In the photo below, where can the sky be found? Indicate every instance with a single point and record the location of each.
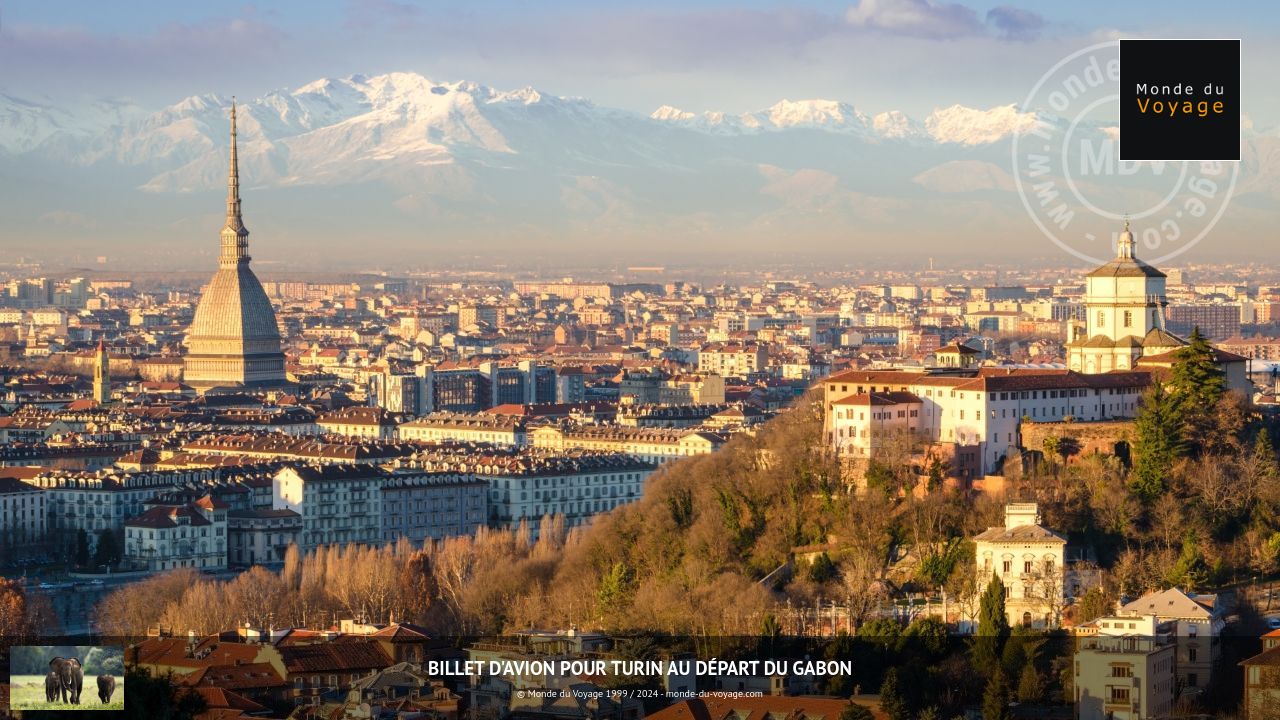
(913, 56)
(909, 55)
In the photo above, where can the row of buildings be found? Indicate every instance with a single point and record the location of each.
(212, 516)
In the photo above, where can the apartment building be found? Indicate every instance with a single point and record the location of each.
(507, 430)
(1197, 622)
(23, 514)
(576, 486)
(649, 444)
(424, 506)
(177, 535)
(339, 504)
(733, 359)
(1125, 671)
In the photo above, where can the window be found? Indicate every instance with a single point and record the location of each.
(1102, 317)
(1119, 694)
(1026, 567)
(1008, 565)
(1192, 654)
(1128, 318)
(1122, 671)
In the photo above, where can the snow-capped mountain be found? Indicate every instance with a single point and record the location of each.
(463, 158)
(359, 128)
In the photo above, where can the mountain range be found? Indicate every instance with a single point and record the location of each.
(412, 164)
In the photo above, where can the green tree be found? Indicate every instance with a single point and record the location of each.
(1190, 571)
(822, 569)
(995, 699)
(157, 698)
(108, 551)
(614, 590)
(1198, 384)
(937, 472)
(1095, 603)
(82, 548)
(1195, 376)
(854, 711)
(1051, 446)
(1159, 428)
(993, 626)
(769, 627)
(1030, 687)
(893, 700)
(880, 476)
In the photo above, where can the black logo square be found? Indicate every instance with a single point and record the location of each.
(1179, 99)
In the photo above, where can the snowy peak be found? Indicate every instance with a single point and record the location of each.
(26, 125)
(824, 114)
(895, 125)
(968, 126)
(785, 115)
(954, 125)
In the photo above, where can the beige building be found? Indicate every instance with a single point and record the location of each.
(1262, 680)
(339, 504)
(165, 537)
(649, 444)
(732, 359)
(508, 430)
(1197, 623)
(1029, 560)
(862, 423)
(1125, 671)
(359, 422)
(976, 414)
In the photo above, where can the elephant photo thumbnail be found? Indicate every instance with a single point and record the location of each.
(66, 677)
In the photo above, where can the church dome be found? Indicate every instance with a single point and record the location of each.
(1125, 263)
(234, 308)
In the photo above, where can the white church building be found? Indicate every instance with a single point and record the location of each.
(972, 416)
(1124, 315)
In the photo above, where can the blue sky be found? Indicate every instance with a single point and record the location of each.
(912, 55)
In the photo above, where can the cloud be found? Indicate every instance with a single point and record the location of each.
(1013, 23)
(365, 14)
(917, 18)
(172, 56)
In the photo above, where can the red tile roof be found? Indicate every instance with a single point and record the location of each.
(328, 657)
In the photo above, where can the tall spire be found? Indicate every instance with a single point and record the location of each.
(235, 236)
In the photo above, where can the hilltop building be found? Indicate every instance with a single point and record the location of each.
(1029, 560)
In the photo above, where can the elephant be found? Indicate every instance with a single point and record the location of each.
(51, 686)
(70, 678)
(106, 688)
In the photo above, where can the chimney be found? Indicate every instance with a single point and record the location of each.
(191, 643)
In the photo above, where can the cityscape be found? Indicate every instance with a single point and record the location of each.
(774, 475)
